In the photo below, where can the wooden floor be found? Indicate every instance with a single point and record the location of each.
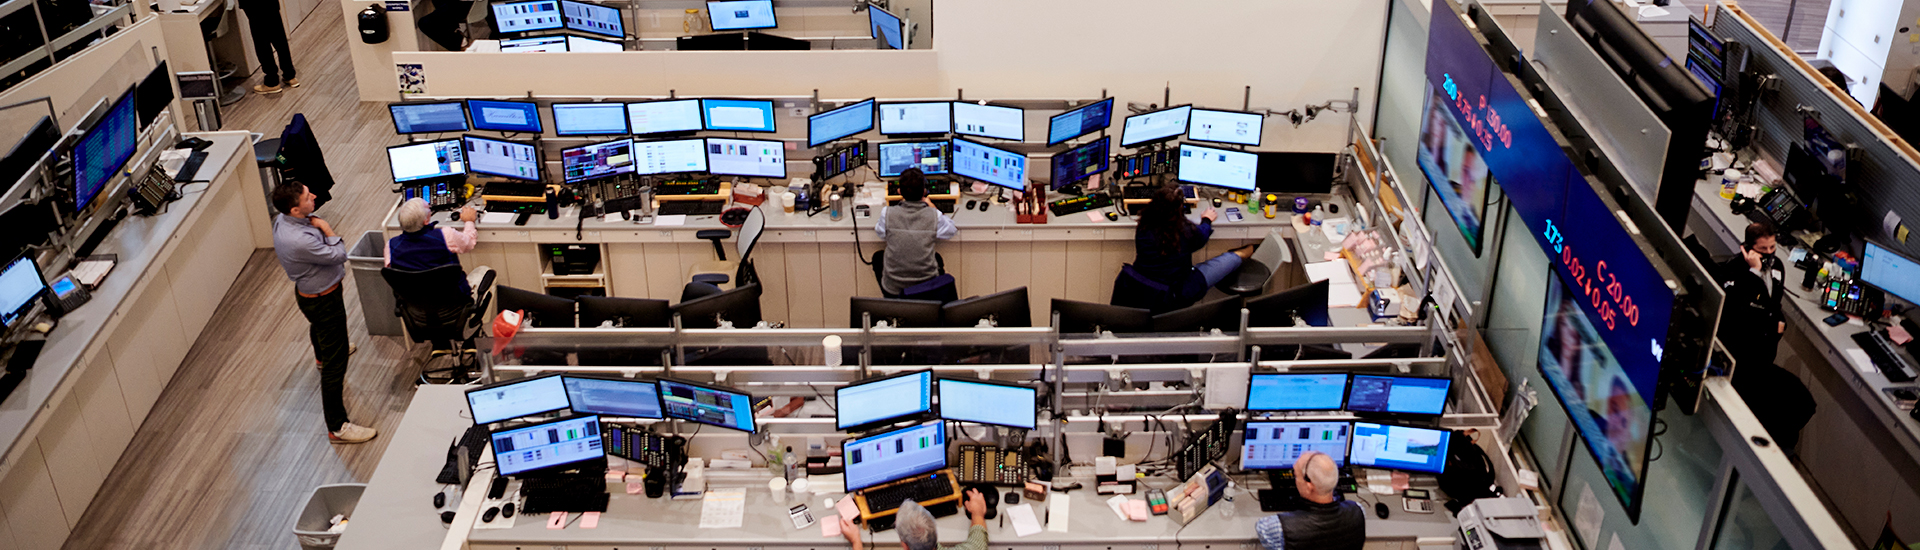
(1809, 17)
(236, 442)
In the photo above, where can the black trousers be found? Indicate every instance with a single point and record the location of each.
(328, 316)
(269, 40)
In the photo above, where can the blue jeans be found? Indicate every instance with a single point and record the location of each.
(1219, 267)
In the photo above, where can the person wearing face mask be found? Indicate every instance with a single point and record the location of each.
(1751, 322)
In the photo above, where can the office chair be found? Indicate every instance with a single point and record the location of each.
(723, 273)
(941, 288)
(433, 309)
(1134, 290)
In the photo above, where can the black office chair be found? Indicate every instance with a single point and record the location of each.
(1135, 290)
(941, 288)
(433, 309)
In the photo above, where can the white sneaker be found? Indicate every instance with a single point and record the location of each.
(352, 433)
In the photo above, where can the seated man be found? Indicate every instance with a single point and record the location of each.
(918, 531)
(422, 246)
(910, 229)
(1326, 521)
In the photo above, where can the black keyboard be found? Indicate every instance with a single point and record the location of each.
(1885, 354)
(690, 208)
(920, 490)
(675, 188)
(563, 494)
(476, 440)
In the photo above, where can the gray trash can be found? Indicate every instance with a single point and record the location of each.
(310, 527)
(365, 259)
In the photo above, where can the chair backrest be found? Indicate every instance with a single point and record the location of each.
(430, 303)
(624, 312)
(1132, 289)
(750, 233)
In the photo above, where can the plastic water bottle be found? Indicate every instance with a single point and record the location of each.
(1226, 502)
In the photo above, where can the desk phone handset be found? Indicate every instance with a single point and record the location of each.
(67, 295)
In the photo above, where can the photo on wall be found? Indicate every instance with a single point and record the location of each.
(1597, 392)
(1454, 168)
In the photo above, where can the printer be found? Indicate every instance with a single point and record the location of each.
(1500, 524)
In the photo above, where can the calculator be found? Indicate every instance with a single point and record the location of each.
(802, 517)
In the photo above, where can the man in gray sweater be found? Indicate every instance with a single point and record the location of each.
(910, 229)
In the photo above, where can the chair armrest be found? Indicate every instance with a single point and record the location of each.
(713, 234)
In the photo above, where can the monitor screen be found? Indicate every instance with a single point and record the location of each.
(670, 156)
(555, 43)
(740, 115)
(1454, 168)
(428, 118)
(992, 165)
(1224, 127)
(1145, 128)
(504, 116)
(590, 119)
(537, 15)
(885, 25)
(934, 117)
(662, 117)
(622, 397)
(894, 455)
(1897, 275)
(426, 160)
(838, 123)
(507, 159)
(887, 399)
(583, 44)
(593, 18)
(931, 157)
(1276, 445)
(1296, 392)
(1398, 394)
(548, 445)
(987, 403)
(1398, 448)
(1237, 170)
(973, 119)
(599, 160)
(1597, 390)
(747, 157)
(741, 14)
(1079, 122)
(20, 286)
(104, 150)
(707, 404)
(155, 92)
(516, 398)
(1081, 162)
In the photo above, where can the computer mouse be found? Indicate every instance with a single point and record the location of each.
(506, 511)
(446, 517)
(488, 517)
(970, 204)
(1013, 497)
(984, 205)
(1113, 216)
(439, 499)
(1380, 509)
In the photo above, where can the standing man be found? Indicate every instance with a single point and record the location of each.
(910, 229)
(315, 259)
(1751, 323)
(269, 38)
(1326, 522)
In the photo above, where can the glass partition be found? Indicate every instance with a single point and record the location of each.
(35, 34)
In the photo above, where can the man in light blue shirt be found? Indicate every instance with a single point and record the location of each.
(315, 259)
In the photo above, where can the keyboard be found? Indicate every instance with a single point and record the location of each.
(929, 489)
(988, 464)
(677, 188)
(1079, 204)
(545, 494)
(691, 208)
(1885, 354)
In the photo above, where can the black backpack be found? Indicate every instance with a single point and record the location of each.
(1468, 475)
(373, 24)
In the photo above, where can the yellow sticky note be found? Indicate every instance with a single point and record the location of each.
(1901, 234)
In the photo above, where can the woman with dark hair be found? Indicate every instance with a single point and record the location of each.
(1164, 243)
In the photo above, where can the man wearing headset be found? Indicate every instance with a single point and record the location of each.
(1326, 522)
(1751, 322)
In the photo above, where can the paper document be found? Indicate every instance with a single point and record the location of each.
(497, 217)
(1057, 514)
(1860, 359)
(827, 484)
(723, 509)
(670, 219)
(1119, 506)
(1024, 523)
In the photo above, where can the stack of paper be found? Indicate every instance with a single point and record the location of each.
(1341, 290)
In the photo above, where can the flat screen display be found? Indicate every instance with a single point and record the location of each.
(548, 445)
(1145, 128)
(1079, 122)
(1597, 391)
(886, 399)
(741, 14)
(987, 403)
(664, 117)
(590, 119)
(934, 117)
(593, 18)
(538, 15)
(516, 398)
(886, 26)
(1398, 448)
(104, 150)
(707, 405)
(1237, 170)
(1454, 168)
(747, 157)
(931, 157)
(504, 116)
(992, 165)
(1081, 162)
(426, 160)
(582, 44)
(1277, 445)
(1398, 394)
(739, 115)
(1224, 126)
(894, 455)
(507, 159)
(1897, 275)
(838, 123)
(973, 119)
(155, 92)
(670, 156)
(554, 43)
(428, 118)
(20, 286)
(1296, 392)
(626, 398)
(599, 160)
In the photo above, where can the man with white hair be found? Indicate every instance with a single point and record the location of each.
(918, 531)
(422, 246)
(1326, 522)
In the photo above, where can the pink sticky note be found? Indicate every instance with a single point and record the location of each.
(847, 508)
(1137, 510)
(1094, 215)
(635, 488)
(557, 520)
(589, 520)
(829, 527)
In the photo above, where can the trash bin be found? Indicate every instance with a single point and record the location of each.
(310, 527)
(365, 259)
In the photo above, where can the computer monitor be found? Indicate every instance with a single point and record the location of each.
(707, 404)
(1277, 445)
(993, 165)
(885, 400)
(589, 119)
(896, 313)
(1225, 126)
(894, 455)
(1223, 168)
(1296, 392)
(517, 398)
(1307, 302)
(931, 157)
(426, 160)
(28, 224)
(595, 161)
(739, 306)
(851, 119)
(20, 287)
(1400, 395)
(504, 116)
(1007, 309)
(593, 18)
(671, 116)
(1085, 317)
(154, 94)
(886, 25)
(1296, 173)
(747, 157)
(1079, 163)
(546, 311)
(535, 15)
(1223, 314)
(550, 43)
(1890, 272)
(613, 396)
(1154, 127)
(672, 156)
(737, 115)
(973, 119)
(584, 44)
(27, 152)
(555, 445)
(499, 157)
(1081, 121)
(104, 150)
(1391, 447)
(428, 118)
(735, 15)
(987, 402)
(913, 118)
(624, 312)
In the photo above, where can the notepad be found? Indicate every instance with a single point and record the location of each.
(1024, 522)
(1057, 514)
(497, 217)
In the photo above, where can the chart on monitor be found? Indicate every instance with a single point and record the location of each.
(1276, 445)
(916, 118)
(669, 157)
